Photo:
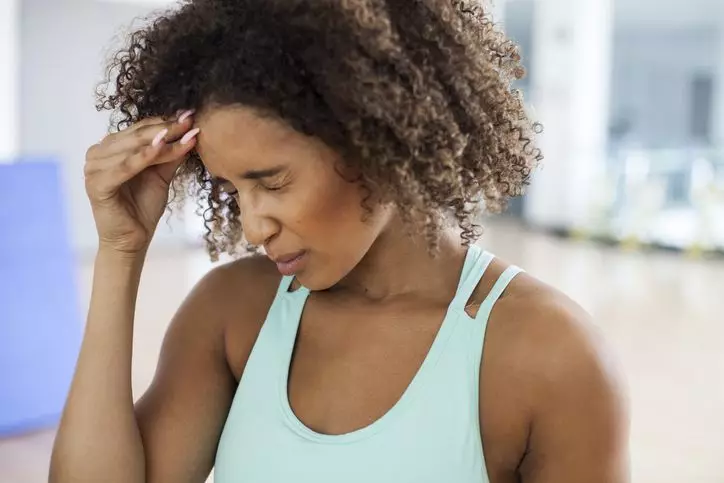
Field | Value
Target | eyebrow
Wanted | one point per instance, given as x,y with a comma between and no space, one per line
256,174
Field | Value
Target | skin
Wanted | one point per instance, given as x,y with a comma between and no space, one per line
552,407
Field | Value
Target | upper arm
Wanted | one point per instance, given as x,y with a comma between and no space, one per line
579,425
182,414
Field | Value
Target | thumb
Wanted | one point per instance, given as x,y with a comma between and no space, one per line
167,170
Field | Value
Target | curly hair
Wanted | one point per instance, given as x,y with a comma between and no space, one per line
417,95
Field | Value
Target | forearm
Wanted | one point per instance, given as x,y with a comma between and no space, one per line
98,438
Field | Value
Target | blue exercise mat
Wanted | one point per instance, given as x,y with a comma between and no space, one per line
40,325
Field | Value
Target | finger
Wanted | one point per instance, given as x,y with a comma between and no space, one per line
93,167
127,140
110,138
181,117
144,132
132,141
106,175
114,171
157,153
177,154
179,149
149,121
100,178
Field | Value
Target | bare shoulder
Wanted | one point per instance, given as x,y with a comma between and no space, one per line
238,295
249,281
204,352
554,378
554,332
550,337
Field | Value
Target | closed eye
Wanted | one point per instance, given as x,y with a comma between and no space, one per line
276,184
273,188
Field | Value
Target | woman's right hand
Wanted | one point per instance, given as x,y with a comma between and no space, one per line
127,178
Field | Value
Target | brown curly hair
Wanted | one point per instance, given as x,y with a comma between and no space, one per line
415,94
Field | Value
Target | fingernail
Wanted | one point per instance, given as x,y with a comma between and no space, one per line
184,115
189,136
159,137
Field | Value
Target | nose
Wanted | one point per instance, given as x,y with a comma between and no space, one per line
258,226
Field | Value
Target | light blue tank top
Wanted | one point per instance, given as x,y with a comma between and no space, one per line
432,434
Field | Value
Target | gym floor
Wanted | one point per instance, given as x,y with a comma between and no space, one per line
658,310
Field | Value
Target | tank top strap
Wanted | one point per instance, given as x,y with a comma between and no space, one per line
477,261
500,285
284,284
285,311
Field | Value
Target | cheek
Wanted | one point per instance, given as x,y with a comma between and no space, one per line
329,207
331,222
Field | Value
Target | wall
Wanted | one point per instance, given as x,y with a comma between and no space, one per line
9,47
652,72
63,45
718,124
652,75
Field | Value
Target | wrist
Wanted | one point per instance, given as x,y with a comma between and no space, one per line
112,256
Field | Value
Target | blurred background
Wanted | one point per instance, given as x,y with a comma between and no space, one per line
626,216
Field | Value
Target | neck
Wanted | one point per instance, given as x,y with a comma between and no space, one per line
401,264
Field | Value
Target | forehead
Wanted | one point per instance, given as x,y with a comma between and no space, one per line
241,136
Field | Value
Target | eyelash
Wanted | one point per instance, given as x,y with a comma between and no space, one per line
271,188
235,191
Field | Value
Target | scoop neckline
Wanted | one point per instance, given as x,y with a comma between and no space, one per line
424,372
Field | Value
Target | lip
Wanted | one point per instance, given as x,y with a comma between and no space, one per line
290,263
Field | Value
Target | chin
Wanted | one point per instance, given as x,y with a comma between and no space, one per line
315,279
323,273
314,282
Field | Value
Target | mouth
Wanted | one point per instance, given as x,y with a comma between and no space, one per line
291,263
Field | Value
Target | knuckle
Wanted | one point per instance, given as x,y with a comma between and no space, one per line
140,134
144,122
91,151
104,140
150,124
88,170
90,187
136,161
94,190
127,164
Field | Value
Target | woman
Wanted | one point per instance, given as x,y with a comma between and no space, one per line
352,140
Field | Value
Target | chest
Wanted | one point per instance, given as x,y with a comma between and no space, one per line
351,363
350,368
356,395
